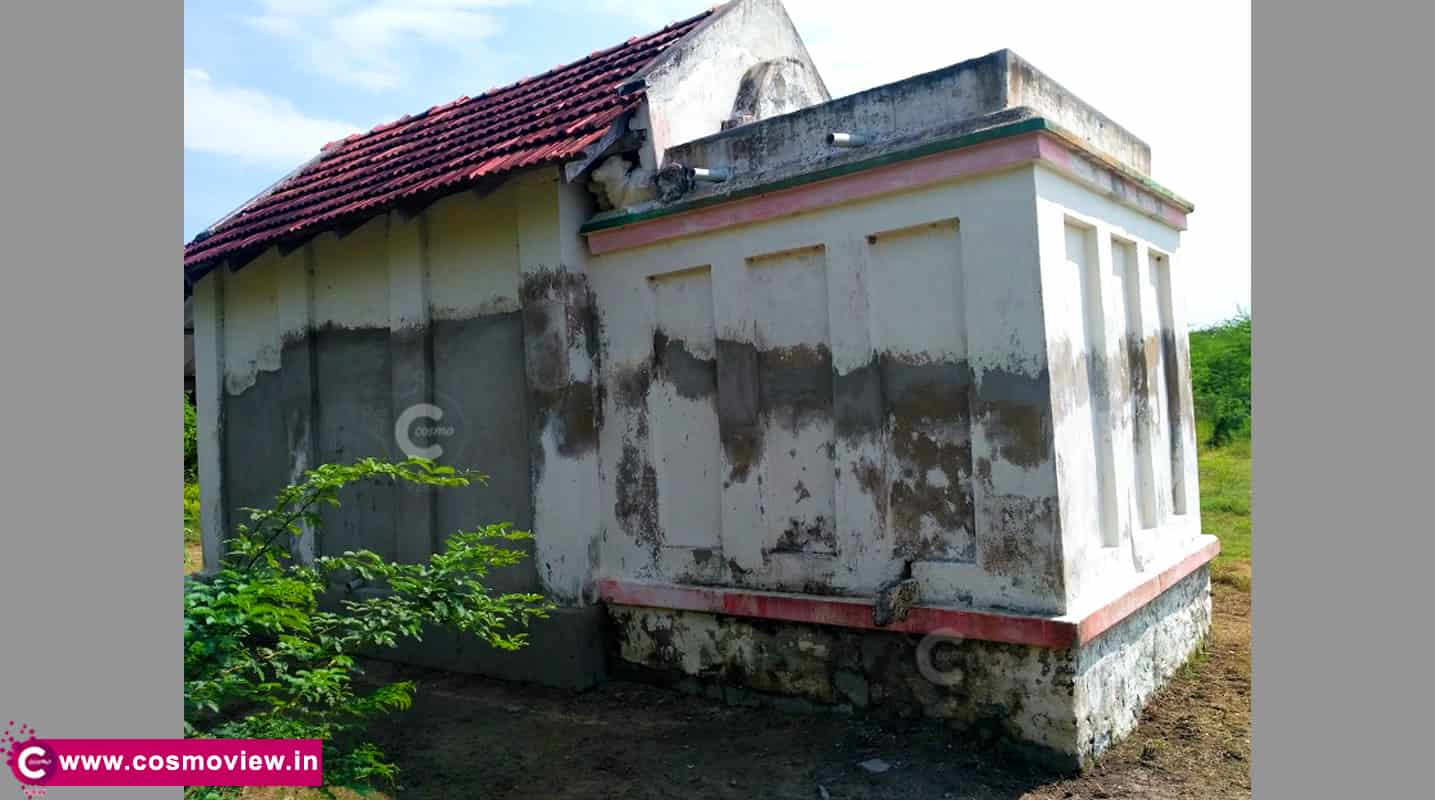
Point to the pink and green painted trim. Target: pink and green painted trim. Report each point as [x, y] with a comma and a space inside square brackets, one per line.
[1051, 632]
[991, 150]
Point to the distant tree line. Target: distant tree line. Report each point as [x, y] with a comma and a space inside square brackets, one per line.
[1221, 379]
[191, 446]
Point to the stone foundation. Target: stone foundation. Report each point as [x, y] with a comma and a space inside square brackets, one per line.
[1062, 706]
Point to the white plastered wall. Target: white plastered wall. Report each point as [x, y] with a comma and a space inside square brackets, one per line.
[1102, 264]
[465, 256]
[691, 87]
[996, 325]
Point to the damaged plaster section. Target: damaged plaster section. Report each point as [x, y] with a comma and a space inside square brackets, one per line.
[561, 351]
[832, 432]
[772, 88]
[760, 389]
[919, 410]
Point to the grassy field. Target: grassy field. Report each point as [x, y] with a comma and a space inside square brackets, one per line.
[1226, 509]
[1226, 498]
[193, 553]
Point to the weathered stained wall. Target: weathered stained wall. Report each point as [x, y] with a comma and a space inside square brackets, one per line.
[870, 398]
[1123, 420]
[691, 88]
[981, 383]
[477, 307]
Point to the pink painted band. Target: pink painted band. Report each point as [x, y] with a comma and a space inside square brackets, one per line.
[1102, 619]
[1053, 632]
[963, 162]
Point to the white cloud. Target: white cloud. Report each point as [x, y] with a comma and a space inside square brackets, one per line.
[1177, 76]
[649, 14]
[251, 125]
[361, 43]
[1178, 79]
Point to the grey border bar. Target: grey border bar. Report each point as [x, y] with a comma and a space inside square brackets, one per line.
[90, 325]
[1342, 449]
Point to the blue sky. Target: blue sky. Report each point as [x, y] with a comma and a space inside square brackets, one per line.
[268, 82]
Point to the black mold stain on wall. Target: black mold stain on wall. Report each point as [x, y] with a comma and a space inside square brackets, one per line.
[558, 313]
[858, 406]
[1020, 543]
[694, 378]
[1175, 410]
[1019, 540]
[1138, 367]
[920, 410]
[349, 415]
[571, 414]
[254, 451]
[807, 536]
[479, 368]
[738, 407]
[355, 420]
[637, 503]
[795, 384]
[784, 386]
[929, 408]
[1017, 409]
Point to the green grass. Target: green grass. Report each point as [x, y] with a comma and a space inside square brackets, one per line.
[1226, 498]
[193, 555]
[1226, 509]
[191, 512]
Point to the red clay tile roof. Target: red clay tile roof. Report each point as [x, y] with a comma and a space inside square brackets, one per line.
[545, 119]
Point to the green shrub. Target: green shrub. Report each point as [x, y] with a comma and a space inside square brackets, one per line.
[1221, 380]
[191, 446]
[191, 512]
[264, 658]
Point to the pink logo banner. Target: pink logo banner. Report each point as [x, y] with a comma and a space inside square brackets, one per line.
[167, 762]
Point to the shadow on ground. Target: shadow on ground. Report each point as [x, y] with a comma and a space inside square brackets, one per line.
[477, 738]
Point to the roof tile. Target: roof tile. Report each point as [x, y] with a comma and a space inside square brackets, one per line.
[539, 119]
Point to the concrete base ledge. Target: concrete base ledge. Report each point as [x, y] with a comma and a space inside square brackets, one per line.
[565, 651]
[1060, 705]
[1053, 632]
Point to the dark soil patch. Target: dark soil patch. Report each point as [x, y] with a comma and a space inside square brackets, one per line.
[478, 738]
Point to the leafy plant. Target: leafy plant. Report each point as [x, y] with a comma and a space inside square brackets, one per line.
[191, 512]
[266, 657]
[191, 446]
[1221, 379]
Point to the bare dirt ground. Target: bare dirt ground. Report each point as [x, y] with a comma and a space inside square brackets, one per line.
[477, 738]
[193, 557]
